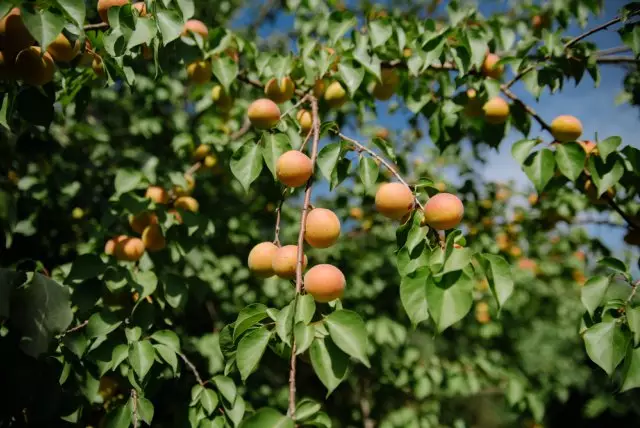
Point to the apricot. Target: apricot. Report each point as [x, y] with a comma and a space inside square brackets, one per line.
[473, 106]
[532, 198]
[221, 98]
[589, 147]
[110, 246]
[279, 91]
[201, 152]
[540, 21]
[515, 251]
[632, 237]
[187, 203]
[264, 113]
[382, 133]
[322, 228]
[210, 161]
[496, 111]
[62, 50]
[305, 120]
[490, 67]
[33, 67]
[294, 168]
[319, 88]
[566, 128]
[443, 211]
[285, 260]
[157, 194]
[105, 5]
[388, 84]
[191, 185]
[356, 213]
[407, 52]
[578, 276]
[591, 191]
[152, 238]
[141, 220]
[335, 95]
[15, 33]
[260, 260]
[87, 55]
[195, 26]
[528, 264]
[176, 215]
[325, 283]
[199, 71]
[141, 7]
[394, 200]
[503, 194]
[129, 249]
[97, 66]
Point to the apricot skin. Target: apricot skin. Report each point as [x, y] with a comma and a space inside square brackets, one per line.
[97, 66]
[387, 87]
[473, 106]
[279, 91]
[589, 147]
[305, 120]
[201, 152]
[105, 5]
[140, 221]
[285, 261]
[496, 111]
[489, 67]
[34, 69]
[153, 239]
[129, 249]
[187, 203]
[221, 98]
[260, 260]
[566, 128]
[62, 50]
[110, 246]
[322, 228]
[191, 185]
[16, 34]
[294, 168]
[394, 200]
[199, 72]
[443, 211]
[157, 194]
[264, 113]
[197, 27]
[325, 283]
[335, 95]
[141, 7]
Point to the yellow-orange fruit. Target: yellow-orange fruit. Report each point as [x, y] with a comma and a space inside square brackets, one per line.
[197, 27]
[221, 98]
[394, 200]
[528, 264]
[279, 91]
[566, 128]
[503, 194]
[482, 313]
[110, 246]
[97, 66]
[210, 161]
[107, 388]
[325, 283]
[538, 22]
[578, 276]
[322, 228]
[62, 50]
[407, 52]
[201, 152]
[496, 111]
[591, 191]
[385, 89]
[443, 211]
[473, 106]
[285, 260]
[382, 133]
[87, 55]
[141, 220]
[264, 113]
[356, 213]
[305, 120]
[515, 251]
[34, 68]
[15, 34]
[632, 237]
[490, 67]
[157, 194]
[129, 249]
[191, 185]
[294, 168]
[532, 198]
[141, 7]
[152, 238]
[335, 95]
[260, 260]
[105, 5]
[187, 203]
[199, 71]
[589, 147]
[319, 88]
[77, 213]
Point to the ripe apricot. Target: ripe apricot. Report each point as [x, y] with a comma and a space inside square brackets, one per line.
[325, 283]
[356, 213]
[566, 128]
[322, 228]
[382, 133]
[540, 21]
[221, 98]
[97, 66]
[294, 168]
[335, 95]
[197, 27]
[176, 215]
[210, 161]
[141, 220]
[496, 111]
[285, 260]
[62, 50]
[443, 211]
[305, 120]
[264, 113]
[105, 5]
[260, 260]
[153, 239]
[15, 33]
[528, 264]
[187, 203]
[319, 88]
[157, 194]
[589, 147]
[394, 200]
[515, 251]
[33, 67]
[490, 67]
[191, 185]
[279, 91]
[141, 7]
[591, 191]
[129, 249]
[201, 152]
[199, 71]
[473, 106]
[110, 246]
[385, 89]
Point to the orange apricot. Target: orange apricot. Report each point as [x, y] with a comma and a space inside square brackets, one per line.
[279, 91]
[195, 26]
[33, 67]
[443, 211]
[496, 111]
[110, 246]
[490, 67]
[264, 113]
[325, 283]
[153, 238]
[285, 260]
[388, 84]
[130, 249]
[335, 95]
[305, 120]
[157, 194]
[394, 200]
[382, 133]
[97, 66]
[201, 152]
[566, 128]
[187, 203]
[199, 71]
[260, 260]
[322, 228]
[356, 213]
[141, 220]
[62, 50]
[319, 88]
[294, 168]
[15, 34]
[105, 5]
[141, 7]
[589, 147]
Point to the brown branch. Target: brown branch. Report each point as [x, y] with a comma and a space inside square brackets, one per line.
[306, 139]
[193, 168]
[617, 60]
[505, 90]
[276, 239]
[618, 49]
[101, 26]
[246, 126]
[134, 398]
[192, 367]
[612, 203]
[80, 326]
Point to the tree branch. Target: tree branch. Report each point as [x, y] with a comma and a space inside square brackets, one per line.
[634, 290]
[101, 26]
[246, 126]
[276, 239]
[134, 399]
[192, 367]
[612, 203]
[80, 326]
[617, 60]
[505, 90]
[618, 49]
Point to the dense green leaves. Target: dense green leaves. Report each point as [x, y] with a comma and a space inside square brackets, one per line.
[141, 357]
[267, 417]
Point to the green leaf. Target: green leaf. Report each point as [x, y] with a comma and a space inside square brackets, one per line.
[593, 292]
[170, 24]
[187, 7]
[606, 175]
[339, 23]
[102, 323]
[145, 410]
[633, 319]
[85, 267]
[146, 283]
[499, 276]
[75, 9]
[478, 46]
[329, 363]
[43, 24]
[304, 335]
[167, 337]
[226, 71]
[615, 265]
[450, 298]
[209, 400]
[274, 146]
[458, 259]
[328, 158]
[349, 333]
[608, 146]
[226, 387]
[236, 412]
[168, 355]
[119, 417]
[630, 35]
[250, 351]
[413, 295]
[570, 158]
[632, 374]
[305, 309]
[539, 167]
[196, 391]
[351, 76]
[144, 33]
[127, 180]
[267, 417]
[381, 31]
[141, 357]
[306, 408]
[368, 170]
[385, 146]
[284, 324]
[246, 163]
[606, 344]
[248, 317]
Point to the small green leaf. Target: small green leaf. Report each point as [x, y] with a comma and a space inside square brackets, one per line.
[339, 23]
[226, 71]
[274, 146]
[606, 344]
[593, 292]
[539, 167]
[102, 323]
[127, 180]
[75, 9]
[381, 31]
[306, 408]
[145, 410]
[170, 24]
[632, 374]
[167, 337]
[615, 265]
[606, 175]
[633, 319]
[329, 363]
[267, 417]
[349, 333]
[236, 412]
[141, 357]
[226, 387]
[368, 170]
[209, 400]
[43, 24]
[570, 158]
[119, 417]
[144, 33]
[385, 146]
[351, 76]
[608, 146]
[187, 7]
[248, 317]
[328, 158]
[450, 298]
[305, 309]
[85, 267]
[304, 335]
[413, 295]
[500, 277]
[246, 163]
[250, 351]
[284, 324]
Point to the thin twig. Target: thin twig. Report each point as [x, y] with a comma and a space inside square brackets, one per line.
[505, 90]
[616, 50]
[612, 203]
[295, 106]
[617, 60]
[276, 239]
[634, 290]
[80, 326]
[192, 367]
[246, 126]
[382, 160]
[96, 27]
[306, 139]
[134, 398]
[193, 168]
